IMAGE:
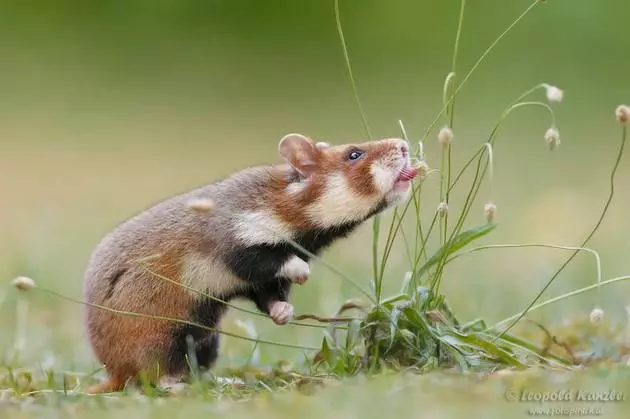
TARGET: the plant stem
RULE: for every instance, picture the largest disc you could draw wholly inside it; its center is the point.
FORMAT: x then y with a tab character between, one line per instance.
227	303
350	73
555	300
460	25
478	63
476	185
598	262
174	320
586	240
451	113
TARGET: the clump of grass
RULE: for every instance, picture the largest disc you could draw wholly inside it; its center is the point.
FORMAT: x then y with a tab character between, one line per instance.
417	328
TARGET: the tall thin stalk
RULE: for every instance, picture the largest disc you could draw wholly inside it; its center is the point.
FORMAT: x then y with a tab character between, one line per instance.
586	240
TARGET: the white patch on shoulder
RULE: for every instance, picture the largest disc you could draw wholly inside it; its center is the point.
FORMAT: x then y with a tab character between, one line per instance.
339	204
209	276
261	227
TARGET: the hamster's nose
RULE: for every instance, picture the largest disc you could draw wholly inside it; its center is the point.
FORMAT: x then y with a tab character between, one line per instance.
404	149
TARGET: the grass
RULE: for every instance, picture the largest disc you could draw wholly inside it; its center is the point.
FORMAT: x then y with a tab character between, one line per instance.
400	351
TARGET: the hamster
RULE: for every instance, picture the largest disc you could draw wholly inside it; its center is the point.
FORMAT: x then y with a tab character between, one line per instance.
239	250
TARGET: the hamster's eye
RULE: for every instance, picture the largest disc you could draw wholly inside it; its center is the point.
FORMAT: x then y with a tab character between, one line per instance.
354	154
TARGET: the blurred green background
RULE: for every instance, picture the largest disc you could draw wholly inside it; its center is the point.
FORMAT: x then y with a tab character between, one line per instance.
107	107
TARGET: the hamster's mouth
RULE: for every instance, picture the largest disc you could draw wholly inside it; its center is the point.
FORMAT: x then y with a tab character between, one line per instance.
405	177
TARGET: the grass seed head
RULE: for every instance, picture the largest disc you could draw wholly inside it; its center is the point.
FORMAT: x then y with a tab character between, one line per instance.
622	113
445	136
554	94
552	138
23	283
596	316
204	205
442	209
490	211
423	168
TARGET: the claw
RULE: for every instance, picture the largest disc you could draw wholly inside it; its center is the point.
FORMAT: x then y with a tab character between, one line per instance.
281	312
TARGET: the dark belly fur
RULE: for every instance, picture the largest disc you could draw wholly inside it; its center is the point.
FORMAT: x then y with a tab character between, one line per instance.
257	265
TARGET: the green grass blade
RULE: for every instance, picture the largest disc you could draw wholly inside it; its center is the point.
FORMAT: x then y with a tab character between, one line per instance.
473	341
458	242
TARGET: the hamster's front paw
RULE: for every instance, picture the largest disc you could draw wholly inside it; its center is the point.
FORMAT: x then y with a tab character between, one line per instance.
295	269
281	312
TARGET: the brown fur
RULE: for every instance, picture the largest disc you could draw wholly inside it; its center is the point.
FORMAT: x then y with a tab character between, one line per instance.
144	338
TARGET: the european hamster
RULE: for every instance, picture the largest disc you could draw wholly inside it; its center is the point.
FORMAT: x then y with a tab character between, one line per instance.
318	195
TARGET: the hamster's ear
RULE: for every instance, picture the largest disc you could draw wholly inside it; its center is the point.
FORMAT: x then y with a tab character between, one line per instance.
300	152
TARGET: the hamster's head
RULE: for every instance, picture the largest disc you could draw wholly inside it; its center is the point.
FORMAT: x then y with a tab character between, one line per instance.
347	183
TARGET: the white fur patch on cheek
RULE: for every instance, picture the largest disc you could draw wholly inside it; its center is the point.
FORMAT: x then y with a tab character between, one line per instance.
339	204
260	227
383	177
206	275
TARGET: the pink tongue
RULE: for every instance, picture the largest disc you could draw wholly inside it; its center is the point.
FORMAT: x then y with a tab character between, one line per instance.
407	174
